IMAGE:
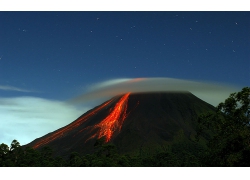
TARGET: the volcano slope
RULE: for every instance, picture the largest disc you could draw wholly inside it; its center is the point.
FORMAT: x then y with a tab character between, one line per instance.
131	122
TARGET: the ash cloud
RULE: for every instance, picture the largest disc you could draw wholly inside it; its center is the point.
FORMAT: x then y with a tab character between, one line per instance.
211	92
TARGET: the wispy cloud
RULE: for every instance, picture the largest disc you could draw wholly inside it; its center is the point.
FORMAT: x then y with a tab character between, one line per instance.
11	88
27	118
212	93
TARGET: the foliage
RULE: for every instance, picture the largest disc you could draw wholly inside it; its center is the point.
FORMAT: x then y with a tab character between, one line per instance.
230	129
106	155
227	131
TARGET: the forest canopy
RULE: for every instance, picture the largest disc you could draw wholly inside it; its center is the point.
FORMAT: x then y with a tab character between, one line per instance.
228	145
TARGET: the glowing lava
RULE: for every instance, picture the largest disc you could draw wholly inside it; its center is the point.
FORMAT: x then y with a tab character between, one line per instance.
113	122
61	132
106	128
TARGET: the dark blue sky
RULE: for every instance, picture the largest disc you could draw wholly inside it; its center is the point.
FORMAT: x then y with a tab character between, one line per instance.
49	57
59	54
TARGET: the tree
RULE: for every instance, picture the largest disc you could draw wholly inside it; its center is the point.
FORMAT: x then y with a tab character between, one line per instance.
4	149
229	128
75	160
14	145
9	156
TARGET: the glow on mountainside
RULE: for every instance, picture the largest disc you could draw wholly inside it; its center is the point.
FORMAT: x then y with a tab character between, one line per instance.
61	132
113	122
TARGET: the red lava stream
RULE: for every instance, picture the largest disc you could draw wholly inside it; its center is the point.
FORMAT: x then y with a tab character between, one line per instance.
113	122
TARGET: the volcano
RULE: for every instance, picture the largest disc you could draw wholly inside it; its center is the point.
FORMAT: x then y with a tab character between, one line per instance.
129	121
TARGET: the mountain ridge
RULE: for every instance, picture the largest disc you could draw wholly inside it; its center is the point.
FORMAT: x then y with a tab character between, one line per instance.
129	121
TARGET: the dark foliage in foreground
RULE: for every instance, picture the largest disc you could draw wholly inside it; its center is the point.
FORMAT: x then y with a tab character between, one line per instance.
105	156
230	125
229	145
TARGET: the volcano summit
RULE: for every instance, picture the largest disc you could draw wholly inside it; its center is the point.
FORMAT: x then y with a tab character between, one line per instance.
130	121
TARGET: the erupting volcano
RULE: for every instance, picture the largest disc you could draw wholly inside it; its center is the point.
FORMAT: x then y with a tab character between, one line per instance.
113	122
130	121
105	128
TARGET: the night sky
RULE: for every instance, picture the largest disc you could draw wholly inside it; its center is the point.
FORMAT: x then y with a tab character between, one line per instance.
49	57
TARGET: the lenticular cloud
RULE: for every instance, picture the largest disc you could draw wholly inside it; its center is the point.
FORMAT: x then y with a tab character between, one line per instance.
142	85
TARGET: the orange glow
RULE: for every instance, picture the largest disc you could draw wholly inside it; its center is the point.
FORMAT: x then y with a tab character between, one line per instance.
137	79
113	122
61	132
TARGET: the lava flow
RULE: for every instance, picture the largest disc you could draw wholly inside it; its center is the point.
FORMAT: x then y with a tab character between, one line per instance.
113	122
61	132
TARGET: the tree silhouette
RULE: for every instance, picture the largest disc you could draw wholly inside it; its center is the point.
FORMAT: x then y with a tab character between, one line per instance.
230	130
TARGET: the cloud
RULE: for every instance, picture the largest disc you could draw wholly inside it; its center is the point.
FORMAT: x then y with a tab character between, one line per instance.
11	88
27	118
212	93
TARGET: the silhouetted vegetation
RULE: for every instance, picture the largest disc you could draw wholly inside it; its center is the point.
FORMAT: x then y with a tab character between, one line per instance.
106	155
228	130
229	144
